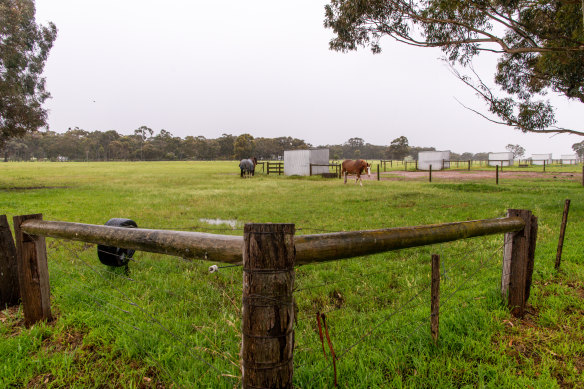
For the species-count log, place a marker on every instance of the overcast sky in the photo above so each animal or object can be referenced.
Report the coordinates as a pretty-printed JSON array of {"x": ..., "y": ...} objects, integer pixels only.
[{"x": 260, "y": 67}]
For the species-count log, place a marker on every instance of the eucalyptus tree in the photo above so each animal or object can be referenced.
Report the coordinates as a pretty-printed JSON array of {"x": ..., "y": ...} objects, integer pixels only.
[
  {"x": 244, "y": 146},
  {"x": 24, "y": 48},
  {"x": 539, "y": 44},
  {"x": 399, "y": 148},
  {"x": 142, "y": 134},
  {"x": 579, "y": 149},
  {"x": 517, "y": 150}
]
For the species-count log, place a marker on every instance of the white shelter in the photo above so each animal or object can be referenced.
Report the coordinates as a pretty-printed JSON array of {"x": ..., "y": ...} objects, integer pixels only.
[
  {"x": 538, "y": 159},
  {"x": 297, "y": 162},
  {"x": 501, "y": 159},
  {"x": 569, "y": 159},
  {"x": 438, "y": 159}
]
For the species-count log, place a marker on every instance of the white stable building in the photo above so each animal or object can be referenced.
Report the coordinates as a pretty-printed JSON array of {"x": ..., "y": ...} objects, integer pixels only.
[
  {"x": 438, "y": 159},
  {"x": 569, "y": 159},
  {"x": 539, "y": 159},
  {"x": 297, "y": 162},
  {"x": 501, "y": 159}
]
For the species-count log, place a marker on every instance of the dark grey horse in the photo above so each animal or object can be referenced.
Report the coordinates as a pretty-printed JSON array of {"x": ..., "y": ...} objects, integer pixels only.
[{"x": 247, "y": 166}]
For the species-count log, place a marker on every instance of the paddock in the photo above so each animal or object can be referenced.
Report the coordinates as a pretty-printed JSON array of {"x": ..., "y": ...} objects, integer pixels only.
[{"x": 193, "y": 335}]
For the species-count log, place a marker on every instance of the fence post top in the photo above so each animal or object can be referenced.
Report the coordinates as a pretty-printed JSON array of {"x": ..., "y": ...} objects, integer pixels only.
[{"x": 274, "y": 228}]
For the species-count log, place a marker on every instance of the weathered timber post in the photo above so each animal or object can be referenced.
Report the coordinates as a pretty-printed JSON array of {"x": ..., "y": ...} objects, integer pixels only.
[
  {"x": 430, "y": 174},
  {"x": 435, "y": 298},
  {"x": 268, "y": 306},
  {"x": 9, "y": 288},
  {"x": 377, "y": 172},
  {"x": 544, "y": 165},
  {"x": 469, "y": 164},
  {"x": 562, "y": 233},
  {"x": 33, "y": 272},
  {"x": 310, "y": 169},
  {"x": 519, "y": 254},
  {"x": 497, "y": 174}
]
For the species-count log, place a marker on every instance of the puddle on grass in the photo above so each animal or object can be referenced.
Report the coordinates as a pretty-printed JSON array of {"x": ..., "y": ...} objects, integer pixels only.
[{"x": 218, "y": 222}]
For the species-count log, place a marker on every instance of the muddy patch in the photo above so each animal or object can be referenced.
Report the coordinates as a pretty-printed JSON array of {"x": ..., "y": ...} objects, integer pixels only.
[{"x": 24, "y": 188}]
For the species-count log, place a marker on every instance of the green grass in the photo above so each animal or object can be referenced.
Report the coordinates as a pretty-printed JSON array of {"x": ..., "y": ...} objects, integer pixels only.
[{"x": 175, "y": 324}]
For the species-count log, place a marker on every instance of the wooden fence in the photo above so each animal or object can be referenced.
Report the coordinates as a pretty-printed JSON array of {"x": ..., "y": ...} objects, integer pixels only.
[
  {"x": 334, "y": 174},
  {"x": 269, "y": 253},
  {"x": 275, "y": 168},
  {"x": 467, "y": 164}
]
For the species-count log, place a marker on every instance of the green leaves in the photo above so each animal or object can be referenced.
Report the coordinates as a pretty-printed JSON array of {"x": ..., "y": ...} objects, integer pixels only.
[
  {"x": 541, "y": 45},
  {"x": 24, "y": 48}
]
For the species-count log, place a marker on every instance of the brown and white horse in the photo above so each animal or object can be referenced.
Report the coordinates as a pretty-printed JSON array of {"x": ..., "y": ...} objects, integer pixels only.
[{"x": 357, "y": 167}]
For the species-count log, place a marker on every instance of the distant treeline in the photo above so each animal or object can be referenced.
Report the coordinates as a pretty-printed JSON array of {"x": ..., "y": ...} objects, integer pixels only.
[{"x": 80, "y": 145}]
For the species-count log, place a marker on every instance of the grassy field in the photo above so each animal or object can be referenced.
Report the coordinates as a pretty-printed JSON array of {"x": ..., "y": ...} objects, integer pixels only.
[{"x": 169, "y": 323}]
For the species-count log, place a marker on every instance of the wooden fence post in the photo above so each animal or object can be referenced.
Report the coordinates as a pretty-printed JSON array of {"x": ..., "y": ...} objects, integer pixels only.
[
  {"x": 33, "y": 272},
  {"x": 430, "y": 174},
  {"x": 518, "y": 257},
  {"x": 562, "y": 233},
  {"x": 435, "y": 298},
  {"x": 310, "y": 169},
  {"x": 497, "y": 174},
  {"x": 9, "y": 288},
  {"x": 267, "y": 349},
  {"x": 377, "y": 172}
]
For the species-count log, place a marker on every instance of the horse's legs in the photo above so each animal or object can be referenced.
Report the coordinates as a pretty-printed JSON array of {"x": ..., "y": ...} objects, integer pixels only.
[{"x": 241, "y": 175}]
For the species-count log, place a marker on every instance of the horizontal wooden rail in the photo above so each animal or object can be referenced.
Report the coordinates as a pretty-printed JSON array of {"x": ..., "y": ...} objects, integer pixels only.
[
  {"x": 309, "y": 248},
  {"x": 338, "y": 245},
  {"x": 222, "y": 248}
]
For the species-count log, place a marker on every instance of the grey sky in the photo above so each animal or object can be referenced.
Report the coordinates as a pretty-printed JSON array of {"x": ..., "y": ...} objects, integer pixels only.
[{"x": 259, "y": 67}]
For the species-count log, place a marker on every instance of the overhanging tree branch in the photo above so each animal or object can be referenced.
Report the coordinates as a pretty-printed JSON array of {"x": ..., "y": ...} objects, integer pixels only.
[{"x": 540, "y": 46}]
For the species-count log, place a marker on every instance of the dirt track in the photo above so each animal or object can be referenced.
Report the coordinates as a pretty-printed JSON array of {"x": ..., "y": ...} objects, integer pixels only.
[{"x": 461, "y": 175}]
